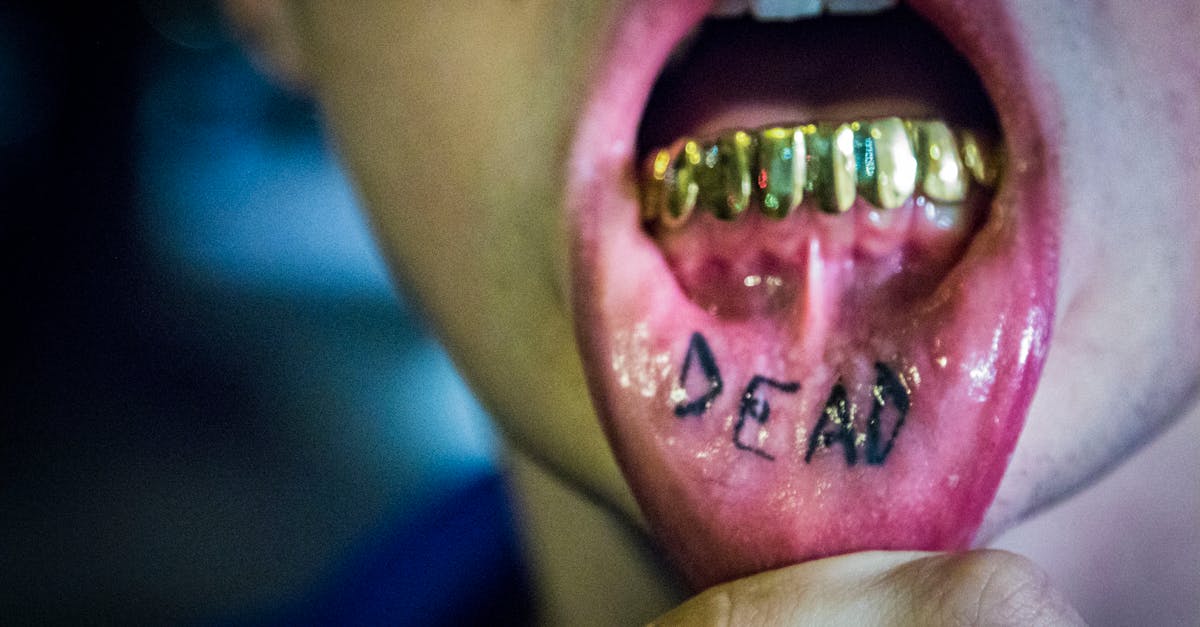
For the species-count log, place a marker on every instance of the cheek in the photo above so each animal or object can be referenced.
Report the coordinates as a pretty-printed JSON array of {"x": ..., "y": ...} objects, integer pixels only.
[
  {"x": 432, "y": 118},
  {"x": 1126, "y": 352},
  {"x": 453, "y": 123}
]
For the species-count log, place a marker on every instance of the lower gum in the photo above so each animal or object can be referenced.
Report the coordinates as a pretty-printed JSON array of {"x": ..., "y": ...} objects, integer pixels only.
[{"x": 759, "y": 267}]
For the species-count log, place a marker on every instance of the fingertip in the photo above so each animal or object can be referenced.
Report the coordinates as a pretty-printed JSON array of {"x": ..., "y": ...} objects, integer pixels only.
[
  {"x": 984, "y": 587},
  {"x": 989, "y": 587}
]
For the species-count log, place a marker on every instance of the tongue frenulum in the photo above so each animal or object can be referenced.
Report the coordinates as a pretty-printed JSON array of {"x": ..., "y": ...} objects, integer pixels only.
[{"x": 870, "y": 402}]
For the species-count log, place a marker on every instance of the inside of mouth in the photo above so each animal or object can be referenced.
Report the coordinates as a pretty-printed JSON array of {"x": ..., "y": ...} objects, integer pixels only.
[{"x": 866, "y": 267}]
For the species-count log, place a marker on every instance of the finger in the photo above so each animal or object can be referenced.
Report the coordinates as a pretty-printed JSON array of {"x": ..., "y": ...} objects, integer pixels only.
[{"x": 887, "y": 588}]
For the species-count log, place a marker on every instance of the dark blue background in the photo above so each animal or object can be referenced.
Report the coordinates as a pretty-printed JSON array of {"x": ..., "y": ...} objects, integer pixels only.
[{"x": 216, "y": 408}]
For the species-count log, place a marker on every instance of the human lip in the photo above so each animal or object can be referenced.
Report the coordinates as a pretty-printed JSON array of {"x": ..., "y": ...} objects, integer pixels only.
[{"x": 965, "y": 357}]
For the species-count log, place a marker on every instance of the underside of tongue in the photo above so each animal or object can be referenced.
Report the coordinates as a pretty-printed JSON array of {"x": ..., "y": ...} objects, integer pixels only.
[{"x": 778, "y": 390}]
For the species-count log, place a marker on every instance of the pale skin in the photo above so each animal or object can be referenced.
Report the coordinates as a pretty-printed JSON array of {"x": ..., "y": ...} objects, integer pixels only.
[{"x": 455, "y": 118}]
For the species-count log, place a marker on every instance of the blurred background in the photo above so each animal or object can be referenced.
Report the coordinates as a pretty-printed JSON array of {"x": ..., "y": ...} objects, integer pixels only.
[
  {"x": 218, "y": 411},
  {"x": 217, "y": 408}
]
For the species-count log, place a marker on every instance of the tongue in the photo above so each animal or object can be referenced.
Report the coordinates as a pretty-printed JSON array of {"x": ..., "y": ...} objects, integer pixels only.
[
  {"x": 822, "y": 393},
  {"x": 753, "y": 441}
]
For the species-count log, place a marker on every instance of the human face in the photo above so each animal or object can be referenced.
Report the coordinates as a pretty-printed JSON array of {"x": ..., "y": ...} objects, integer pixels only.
[{"x": 1033, "y": 345}]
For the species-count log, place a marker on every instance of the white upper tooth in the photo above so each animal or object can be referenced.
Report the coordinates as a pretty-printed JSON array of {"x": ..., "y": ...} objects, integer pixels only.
[
  {"x": 726, "y": 8},
  {"x": 859, "y": 6},
  {"x": 786, "y": 9},
  {"x": 768, "y": 10}
]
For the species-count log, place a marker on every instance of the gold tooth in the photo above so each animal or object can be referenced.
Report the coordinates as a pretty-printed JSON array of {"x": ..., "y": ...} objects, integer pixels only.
[
  {"x": 781, "y": 170},
  {"x": 708, "y": 178},
  {"x": 681, "y": 185},
  {"x": 943, "y": 178},
  {"x": 981, "y": 158},
  {"x": 833, "y": 179},
  {"x": 739, "y": 172},
  {"x": 845, "y": 168},
  {"x": 889, "y": 160},
  {"x": 865, "y": 162},
  {"x": 885, "y": 160},
  {"x": 725, "y": 175},
  {"x": 816, "y": 147},
  {"x": 656, "y": 169}
]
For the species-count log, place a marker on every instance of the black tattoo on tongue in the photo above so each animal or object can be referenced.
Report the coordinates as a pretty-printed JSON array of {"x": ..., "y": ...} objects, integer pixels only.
[
  {"x": 699, "y": 350},
  {"x": 888, "y": 387},
  {"x": 835, "y": 425},
  {"x": 837, "y": 412},
  {"x": 756, "y": 407}
]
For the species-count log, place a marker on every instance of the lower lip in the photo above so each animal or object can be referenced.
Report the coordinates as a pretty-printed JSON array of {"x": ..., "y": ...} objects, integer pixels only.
[{"x": 721, "y": 512}]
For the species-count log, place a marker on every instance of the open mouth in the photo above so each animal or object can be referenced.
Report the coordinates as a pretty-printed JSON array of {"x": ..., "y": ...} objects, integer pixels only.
[{"x": 814, "y": 269}]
